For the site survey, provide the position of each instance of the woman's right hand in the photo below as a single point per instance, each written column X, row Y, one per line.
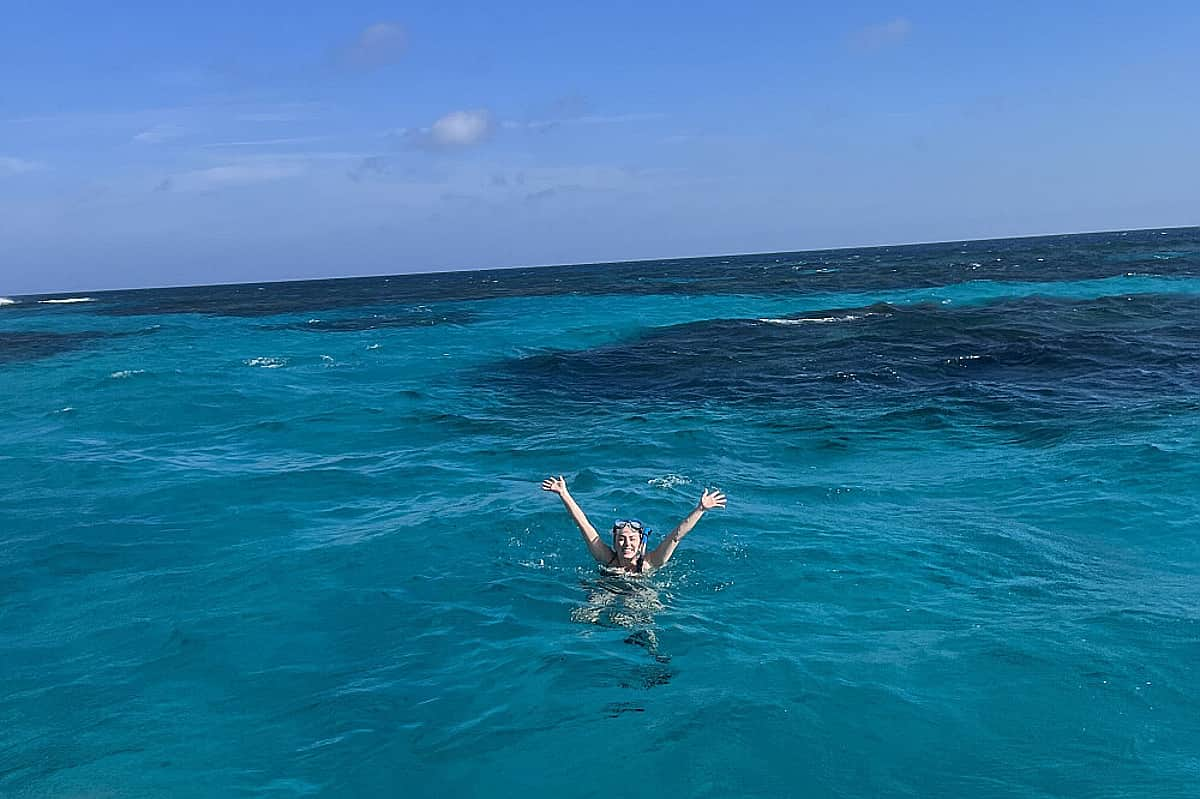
column 556, row 484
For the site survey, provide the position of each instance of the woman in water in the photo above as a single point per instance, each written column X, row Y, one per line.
column 628, row 552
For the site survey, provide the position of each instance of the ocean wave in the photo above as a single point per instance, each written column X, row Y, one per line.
column 6, row 301
column 819, row 320
column 669, row 481
column 127, row 373
column 266, row 362
column 66, row 300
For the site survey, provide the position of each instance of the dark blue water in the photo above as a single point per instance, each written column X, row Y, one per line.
column 288, row 539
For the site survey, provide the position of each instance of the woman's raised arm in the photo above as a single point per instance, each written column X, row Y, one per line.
column 600, row 551
column 663, row 552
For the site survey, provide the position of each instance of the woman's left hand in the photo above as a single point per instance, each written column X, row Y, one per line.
column 715, row 499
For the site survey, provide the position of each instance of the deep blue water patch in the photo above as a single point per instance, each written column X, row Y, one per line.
column 17, row 346
column 1033, row 355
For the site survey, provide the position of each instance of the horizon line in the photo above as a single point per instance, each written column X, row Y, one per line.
column 467, row 270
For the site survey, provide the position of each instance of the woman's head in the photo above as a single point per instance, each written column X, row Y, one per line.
column 629, row 539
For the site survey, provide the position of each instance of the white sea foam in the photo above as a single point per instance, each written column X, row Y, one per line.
column 669, row 481
column 818, row 320
column 127, row 373
column 266, row 363
column 7, row 301
column 65, row 300
column 373, row 346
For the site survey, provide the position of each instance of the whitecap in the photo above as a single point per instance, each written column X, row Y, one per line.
column 669, row 481
column 815, row 320
column 65, row 300
column 127, row 373
column 818, row 320
column 6, row 301
column 373, row 346
column 266, row 363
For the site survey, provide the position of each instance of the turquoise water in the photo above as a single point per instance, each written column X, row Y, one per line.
column 288, row 539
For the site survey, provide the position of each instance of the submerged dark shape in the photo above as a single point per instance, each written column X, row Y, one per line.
column 30, row 345
column 1017, row 354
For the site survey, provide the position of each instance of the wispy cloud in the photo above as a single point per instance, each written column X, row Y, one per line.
column 262, row 142
column 376, row 46
column 307, row 157
column 554, row 191
column 541, row 184
column 159, row 134
column 456, row 130
column 884, row 34
column 373, row 166
column 544, row 125
column 228, row 175
column 150, row 124
column 18, row 166
column 282, row 112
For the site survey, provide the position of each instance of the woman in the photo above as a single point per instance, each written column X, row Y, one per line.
column 628, row 552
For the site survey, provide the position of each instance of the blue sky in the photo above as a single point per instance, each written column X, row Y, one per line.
column 143, row 144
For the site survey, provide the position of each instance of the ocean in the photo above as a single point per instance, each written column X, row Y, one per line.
column 288, row 539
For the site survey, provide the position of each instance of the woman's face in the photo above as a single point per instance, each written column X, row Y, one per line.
column 627, row 541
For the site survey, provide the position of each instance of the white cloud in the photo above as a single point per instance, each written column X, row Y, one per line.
column 455, row 130
column 159, row 134
column 461, row 128
column 218, row 177
column 874, row 37
column 378, row 45
column 18, row 166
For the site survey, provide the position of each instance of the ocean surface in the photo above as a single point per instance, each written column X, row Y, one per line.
column 288, row 539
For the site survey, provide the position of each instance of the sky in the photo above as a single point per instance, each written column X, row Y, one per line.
column 153, row 144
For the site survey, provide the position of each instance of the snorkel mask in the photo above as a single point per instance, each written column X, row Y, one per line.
column 636, row 525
